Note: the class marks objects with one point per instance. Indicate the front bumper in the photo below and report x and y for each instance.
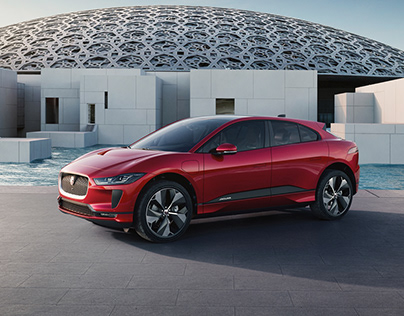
(111, 206)
(103, 218)
(357, 176)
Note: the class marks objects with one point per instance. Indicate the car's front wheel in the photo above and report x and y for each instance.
(333, 195)
(164, 212)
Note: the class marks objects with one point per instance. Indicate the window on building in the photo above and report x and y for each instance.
(224, 106)
(91, 113)
(106, 99)
(52, 110)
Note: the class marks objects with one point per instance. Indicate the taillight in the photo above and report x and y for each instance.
(353, 150)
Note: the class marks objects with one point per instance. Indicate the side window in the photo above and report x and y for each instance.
(284, 133)
(247, 135)
(307, 134)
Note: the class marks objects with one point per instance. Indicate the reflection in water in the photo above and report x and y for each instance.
(41, 172)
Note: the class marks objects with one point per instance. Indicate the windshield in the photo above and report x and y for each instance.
(181, 136)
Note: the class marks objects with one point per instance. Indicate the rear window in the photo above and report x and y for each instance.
(285, 133)
(307, 134)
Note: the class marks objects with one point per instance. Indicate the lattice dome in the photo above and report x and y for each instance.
(179, 38)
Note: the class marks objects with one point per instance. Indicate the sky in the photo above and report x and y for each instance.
(381, 20)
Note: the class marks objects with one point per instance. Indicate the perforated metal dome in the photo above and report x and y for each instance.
(179, 38)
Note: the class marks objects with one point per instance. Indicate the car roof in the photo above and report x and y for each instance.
(232, 118)
(318, 126)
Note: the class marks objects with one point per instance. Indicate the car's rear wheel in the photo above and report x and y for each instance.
(164, 212)
(333, 195)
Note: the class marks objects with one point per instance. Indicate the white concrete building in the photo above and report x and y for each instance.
(90, 79)
(127, 104)
(24, 149)
(8, 103)
(124, 104)
(373, 117)
(164, 40)
(254, 92)
(83, 107)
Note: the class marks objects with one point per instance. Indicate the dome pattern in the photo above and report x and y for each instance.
(179, 38)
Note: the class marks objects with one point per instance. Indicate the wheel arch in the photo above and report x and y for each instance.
(344, 168)
(175, 177)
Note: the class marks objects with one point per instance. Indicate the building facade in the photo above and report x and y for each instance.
(126, 104)
(113, 75)
(9, 110)
(373, 117)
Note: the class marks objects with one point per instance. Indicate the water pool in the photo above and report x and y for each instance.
(41, 172)
(45, 172)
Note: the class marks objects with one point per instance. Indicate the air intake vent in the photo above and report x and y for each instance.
(81, 209)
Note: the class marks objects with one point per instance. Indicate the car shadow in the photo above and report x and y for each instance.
(362, 249)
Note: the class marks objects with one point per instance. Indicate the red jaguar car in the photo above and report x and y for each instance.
(206, 165)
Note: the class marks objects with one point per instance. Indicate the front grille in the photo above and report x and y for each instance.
(81, 209)
(74, 184)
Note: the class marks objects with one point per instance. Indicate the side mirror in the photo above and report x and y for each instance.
(226, 149)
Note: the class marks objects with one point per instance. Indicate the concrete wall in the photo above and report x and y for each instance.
(175, 95)
(388, 101)
(20, 106)
(381, 140)
(58, 83)
(24, 149)
(377, 103)
(65, 85)
(138, 103)
(68, 139)
(354, 108)
(8, 103)
(32, 103)
(134, 102)
(134, 106)
(378, 143)
(256, 92)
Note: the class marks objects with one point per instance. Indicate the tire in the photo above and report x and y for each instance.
(333, 195)
(164, 212)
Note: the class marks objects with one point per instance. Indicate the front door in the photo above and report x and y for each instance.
(242, 176)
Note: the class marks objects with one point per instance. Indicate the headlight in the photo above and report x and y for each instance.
(121, 179)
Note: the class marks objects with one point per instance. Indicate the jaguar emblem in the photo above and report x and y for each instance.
(72, 180)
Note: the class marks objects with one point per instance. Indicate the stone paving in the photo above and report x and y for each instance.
(273, 263)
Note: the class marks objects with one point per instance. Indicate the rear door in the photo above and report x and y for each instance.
(298, 157)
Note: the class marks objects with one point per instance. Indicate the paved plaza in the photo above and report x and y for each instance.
(274, 263)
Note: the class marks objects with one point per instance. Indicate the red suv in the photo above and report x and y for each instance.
(206, 165)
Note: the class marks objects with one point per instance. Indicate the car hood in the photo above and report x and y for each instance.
(110, 160)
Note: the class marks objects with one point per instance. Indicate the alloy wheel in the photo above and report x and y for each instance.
(337, 196)
(166, 213)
